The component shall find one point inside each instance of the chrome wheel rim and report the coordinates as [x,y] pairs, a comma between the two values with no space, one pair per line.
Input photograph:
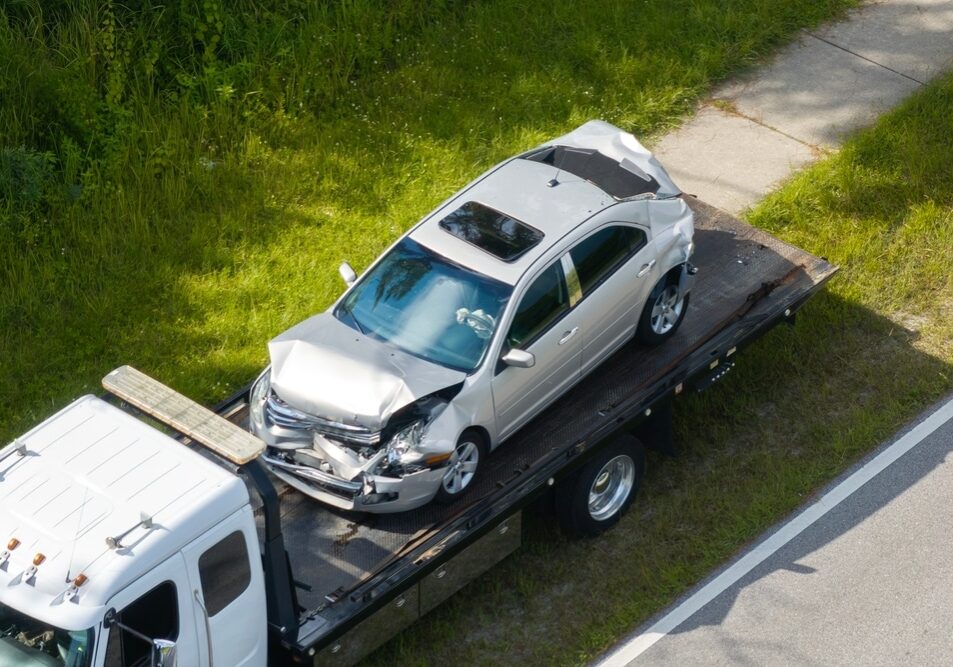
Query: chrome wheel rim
[462,467]
[666,310]
[611,487]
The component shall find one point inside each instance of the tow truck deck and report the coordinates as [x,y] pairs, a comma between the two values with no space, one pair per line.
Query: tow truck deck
[360,579]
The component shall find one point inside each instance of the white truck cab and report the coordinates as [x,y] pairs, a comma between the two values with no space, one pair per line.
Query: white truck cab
[122,547]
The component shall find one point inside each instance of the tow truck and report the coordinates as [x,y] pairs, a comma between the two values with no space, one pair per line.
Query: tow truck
[140,528]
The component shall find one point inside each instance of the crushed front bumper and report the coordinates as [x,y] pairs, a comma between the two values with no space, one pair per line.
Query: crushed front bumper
[366,493]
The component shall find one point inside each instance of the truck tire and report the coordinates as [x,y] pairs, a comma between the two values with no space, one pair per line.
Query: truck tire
[663,312]
[464,467]
[593,499]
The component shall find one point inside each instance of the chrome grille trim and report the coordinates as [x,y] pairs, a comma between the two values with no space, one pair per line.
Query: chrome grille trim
[283,415]
[348,488]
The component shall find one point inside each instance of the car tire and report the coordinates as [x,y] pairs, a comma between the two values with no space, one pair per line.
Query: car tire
[464,467]
[593,499]
[663,312]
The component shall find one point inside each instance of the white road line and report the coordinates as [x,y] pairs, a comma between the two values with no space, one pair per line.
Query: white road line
[625,653]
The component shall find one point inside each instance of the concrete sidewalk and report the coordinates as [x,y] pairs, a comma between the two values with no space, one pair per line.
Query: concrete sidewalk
[759,129]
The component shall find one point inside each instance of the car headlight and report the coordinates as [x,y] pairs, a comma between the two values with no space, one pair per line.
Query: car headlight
[402,448]
[260,391]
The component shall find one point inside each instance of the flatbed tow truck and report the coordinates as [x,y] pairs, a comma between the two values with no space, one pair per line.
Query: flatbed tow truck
[139,542]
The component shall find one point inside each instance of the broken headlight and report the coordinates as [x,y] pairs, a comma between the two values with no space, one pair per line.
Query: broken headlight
[403,453]
[402,448]
[257,397]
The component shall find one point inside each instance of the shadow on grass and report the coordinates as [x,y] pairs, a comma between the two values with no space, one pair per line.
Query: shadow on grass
[825,395]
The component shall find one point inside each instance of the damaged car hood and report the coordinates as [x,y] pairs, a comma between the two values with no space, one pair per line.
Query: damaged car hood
[329,370]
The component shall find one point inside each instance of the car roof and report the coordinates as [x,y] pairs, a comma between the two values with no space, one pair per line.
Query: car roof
[520,189]
[598,159]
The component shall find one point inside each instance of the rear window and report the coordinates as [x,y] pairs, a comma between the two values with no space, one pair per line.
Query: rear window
[491,231]
[224,572]
[619,180]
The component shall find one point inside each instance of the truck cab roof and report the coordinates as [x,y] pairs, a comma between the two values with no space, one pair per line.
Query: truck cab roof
[94,491]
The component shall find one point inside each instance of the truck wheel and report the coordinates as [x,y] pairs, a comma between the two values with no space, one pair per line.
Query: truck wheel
[463,468]
[663,312]
[593,499]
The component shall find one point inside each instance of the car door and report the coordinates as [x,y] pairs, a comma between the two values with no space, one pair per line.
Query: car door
[545,324]
[616,269]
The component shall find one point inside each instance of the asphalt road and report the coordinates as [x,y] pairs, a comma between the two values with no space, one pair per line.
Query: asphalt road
[868,582]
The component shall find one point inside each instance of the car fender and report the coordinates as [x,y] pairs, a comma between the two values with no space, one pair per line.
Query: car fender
[445,429]
[673,229]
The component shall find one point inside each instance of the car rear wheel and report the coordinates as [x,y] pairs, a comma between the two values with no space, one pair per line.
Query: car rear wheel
[594,499]
[663,312]
[463,468]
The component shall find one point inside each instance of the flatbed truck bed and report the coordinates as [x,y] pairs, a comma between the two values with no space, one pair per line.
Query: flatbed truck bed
[360,579]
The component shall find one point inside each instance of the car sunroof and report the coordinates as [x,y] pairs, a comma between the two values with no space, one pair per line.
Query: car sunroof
[491,231]
[616,179]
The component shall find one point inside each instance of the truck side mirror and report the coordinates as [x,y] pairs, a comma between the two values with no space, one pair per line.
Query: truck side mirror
[163,653]
[347,273]
[519,359]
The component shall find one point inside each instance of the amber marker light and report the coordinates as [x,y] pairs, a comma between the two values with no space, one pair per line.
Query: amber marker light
[13,544]
[38,558]
[80,580]
[437,458]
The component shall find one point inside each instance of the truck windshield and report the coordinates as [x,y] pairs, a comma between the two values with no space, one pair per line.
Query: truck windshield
[427,306]
[26,641]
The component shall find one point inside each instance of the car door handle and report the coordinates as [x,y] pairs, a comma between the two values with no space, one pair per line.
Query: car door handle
[645,269]
[568,335]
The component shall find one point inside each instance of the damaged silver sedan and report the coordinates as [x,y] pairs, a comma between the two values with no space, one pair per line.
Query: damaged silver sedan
[484,313]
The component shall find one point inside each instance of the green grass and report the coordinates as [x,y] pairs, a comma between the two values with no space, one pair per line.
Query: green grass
[179,181]
[177,185]
[804,403]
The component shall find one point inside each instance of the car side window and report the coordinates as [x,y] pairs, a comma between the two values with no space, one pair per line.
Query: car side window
[224,572]
[544,302]
[599,255]
[154,615]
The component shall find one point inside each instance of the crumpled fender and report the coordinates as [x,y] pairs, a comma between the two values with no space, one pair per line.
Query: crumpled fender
[444,431]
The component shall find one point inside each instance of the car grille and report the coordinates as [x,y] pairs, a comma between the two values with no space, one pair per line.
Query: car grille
[283,415]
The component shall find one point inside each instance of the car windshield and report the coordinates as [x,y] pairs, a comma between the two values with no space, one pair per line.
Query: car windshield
[427,306]
[27,641]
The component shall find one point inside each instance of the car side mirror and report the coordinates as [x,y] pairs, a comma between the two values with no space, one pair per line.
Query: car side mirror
[347,273]
[163,653]
[519,359]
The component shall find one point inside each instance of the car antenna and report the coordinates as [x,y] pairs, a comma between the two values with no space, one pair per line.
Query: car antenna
[554,181]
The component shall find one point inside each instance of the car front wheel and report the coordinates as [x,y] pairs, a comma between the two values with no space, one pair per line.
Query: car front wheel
[463,468]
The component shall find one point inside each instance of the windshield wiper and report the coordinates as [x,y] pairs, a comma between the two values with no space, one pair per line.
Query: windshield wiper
[343,308]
